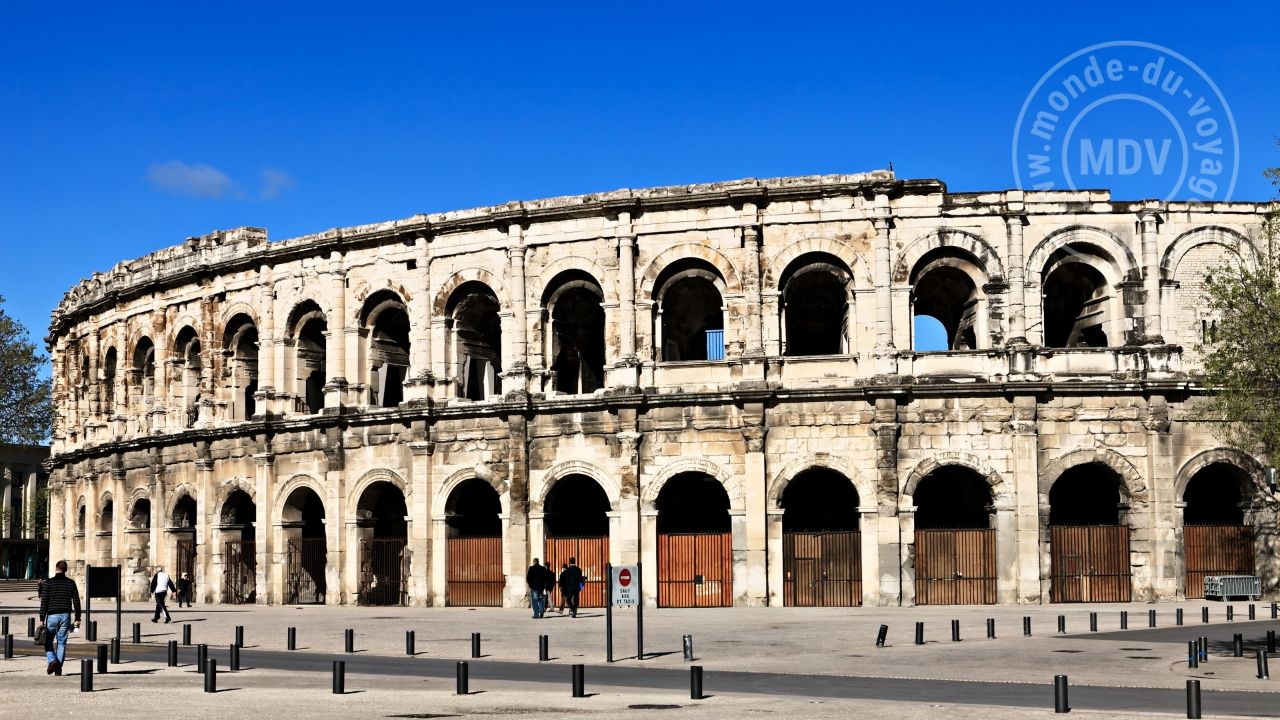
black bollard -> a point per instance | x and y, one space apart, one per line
1204 648
1271 641
211 675
1231 613
1062 624
1124 619
991 628
4 625
1193 698
339 677
1178 616
579 681
919 633
202 655
1204 614
687 643
86 675
115 651
1193 655
463 688
955 631
102 659
291 638
1275 610
1237 645
173 653
1263 674
8 646
1060 704
475 645
137 633
695 682
31 627
349 640
240 636
233 662
1093 622
1253 612
409 644
544 648
91 632
1151 618
882 635
186 634
1026 625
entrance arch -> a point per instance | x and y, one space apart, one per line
821 544
577 526
183 530
382 529
307 551
955 553
695 546
1216 540
474 574
239 548
1088 537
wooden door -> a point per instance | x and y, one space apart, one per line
695 570
592 554
822 569
1090 563
956 567
1216 550
473 576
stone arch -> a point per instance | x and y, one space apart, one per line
371 477
363 291
458 477
171 503
981 251
706 253
1133 487
815 244
102 506
286 489
300 309
231 310
731 483
818 461
1121 255
1230 456
572 262
1206 235
612 489
1001 491
227 488
465 275
141 492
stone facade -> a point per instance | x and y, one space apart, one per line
234 390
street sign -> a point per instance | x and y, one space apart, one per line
625 585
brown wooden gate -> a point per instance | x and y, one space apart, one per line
956 567
822 569
384 571
1090 563
592 554
1216 550
305 582
474 576
695 570
239 571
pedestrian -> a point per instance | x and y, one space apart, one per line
161 584
571 583
548 584
537 581
185 586
61 598
563 568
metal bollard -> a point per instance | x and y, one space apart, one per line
1093 622
1151 618
1178 616
186 634
919 633
1204 648
687 644
882 635
211 676
91 632
1271 641
695 682
991 628
1275 610
1204 614
1060 704
202 657
233 662
1237 645
137 633
463 686
8 646
475 645
102 659
31 627
291 639
115 651
173 653
1062 624
579 681
339 677
1124 619
1193 698
1026 625
1263 673
1231 613
4 624
86 675
544 648
955 631
1253 612
240 636
349 640
1193 655
409 648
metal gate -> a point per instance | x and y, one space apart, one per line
1216 550
384 571
695 570
185 557
305 583
239 571
822 569
474 576
592 553
1090 563
956 567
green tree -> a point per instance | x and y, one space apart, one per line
26 410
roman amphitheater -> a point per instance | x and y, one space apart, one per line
726 382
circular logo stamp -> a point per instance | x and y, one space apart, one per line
1130 116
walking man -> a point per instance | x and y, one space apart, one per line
161 585
537 581
571 582
61 598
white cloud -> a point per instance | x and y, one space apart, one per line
274 182
197 180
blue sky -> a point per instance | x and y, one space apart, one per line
125 128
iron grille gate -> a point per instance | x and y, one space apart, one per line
305 568
695 570
239 572
384 571
185 560
1090 563
474 576
1216 550
956 567
591 553
822 569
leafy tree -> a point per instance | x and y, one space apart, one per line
26 410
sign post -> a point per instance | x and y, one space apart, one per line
625 591
608 613
101 582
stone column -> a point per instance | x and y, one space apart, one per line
627 292
756 480
1006 526
906 554
336 341
341 568
517 362
891 537
775 571
1163 520
869 529
91 509
1016 306
886 361
517 536
626 544
57 519
1150 219
420 541
751 286
270 357
159 537
207 578
1025 476
269 579
420 379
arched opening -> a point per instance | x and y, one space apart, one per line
140 517
1078 301
476 331
188 368
1215 537
109 363
816 306
821 545
574 326
1088 544
577 526
106 527
944 289
695 545
955 543
240 344
142 373
239 548
385 321
690 306
309 331
302 522
382 528
137 536
474 575
183 531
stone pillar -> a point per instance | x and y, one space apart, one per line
269 579
420 378
91 509
518 493
886 360
420 540
626 544
756 479
158 536
270 357
1016 305
1149 217
889 530
751 286
207 578
1025 477
906 554
517 360
336 341
1163 521
341 568
775 572
57 519
627 292
869 529
1006 526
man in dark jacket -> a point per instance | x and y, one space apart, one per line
61 598
571 582
536 577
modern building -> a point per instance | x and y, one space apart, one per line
24 512
728 382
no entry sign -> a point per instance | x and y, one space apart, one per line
625 581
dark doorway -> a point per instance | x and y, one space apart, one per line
474 574
386 321
477 337
955 545
310 355
692 312
239 554
695 546
577 526
942 290
1076 298
815 302
576 326
1216 539
307 548
183 529
821 545
383 529
1089 548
